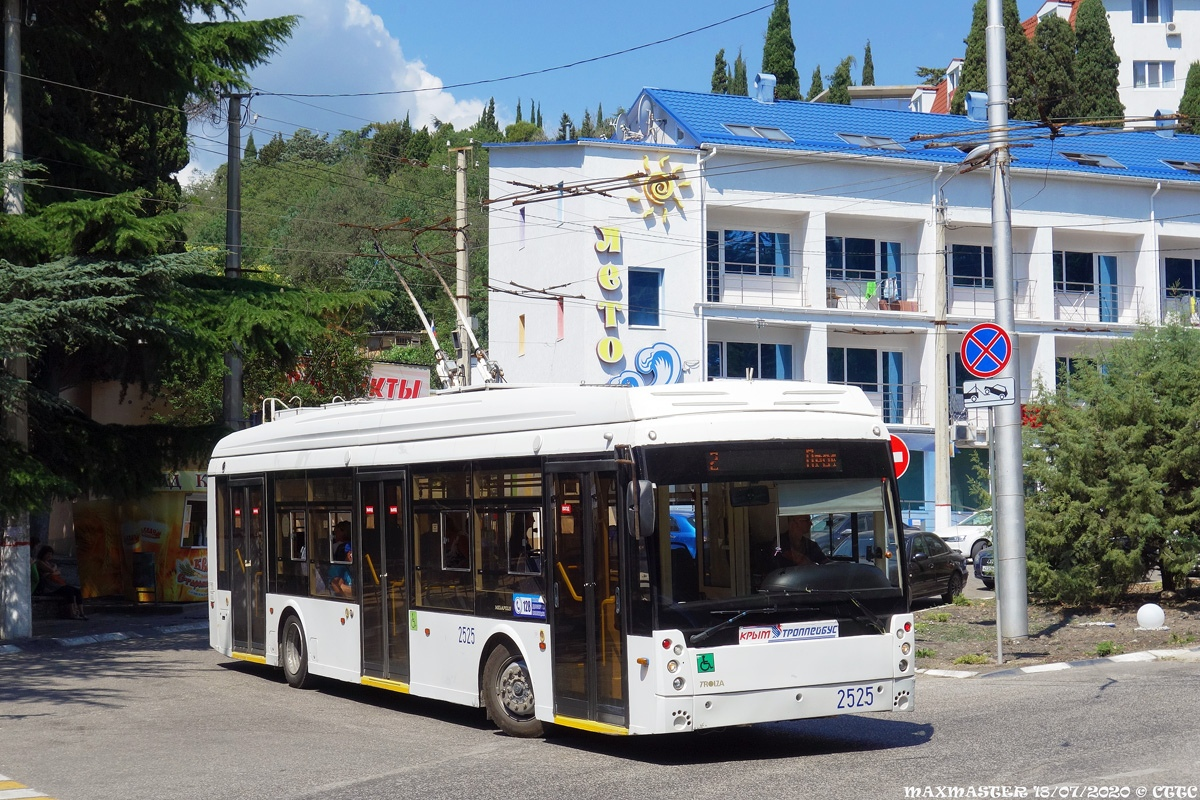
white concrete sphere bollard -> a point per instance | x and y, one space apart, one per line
1150 616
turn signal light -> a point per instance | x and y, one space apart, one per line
666 644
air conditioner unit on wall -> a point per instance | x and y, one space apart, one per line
963 432
1172 27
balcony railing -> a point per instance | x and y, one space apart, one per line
1116 303
980 301
763 290
897 403
1182 308
897 294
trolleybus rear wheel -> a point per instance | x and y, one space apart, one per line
508 693
294 653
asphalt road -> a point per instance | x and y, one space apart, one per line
169 718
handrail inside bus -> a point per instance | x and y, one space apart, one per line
371 565
570 588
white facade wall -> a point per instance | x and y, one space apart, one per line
1176 43
813 317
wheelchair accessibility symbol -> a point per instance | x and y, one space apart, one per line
706 662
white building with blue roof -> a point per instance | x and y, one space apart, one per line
719 237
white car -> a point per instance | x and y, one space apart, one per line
971 535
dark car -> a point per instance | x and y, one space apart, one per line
985 567
933 568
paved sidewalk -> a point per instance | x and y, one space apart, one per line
109 620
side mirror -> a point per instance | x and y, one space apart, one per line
640 515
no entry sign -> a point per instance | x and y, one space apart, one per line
986 350
899 455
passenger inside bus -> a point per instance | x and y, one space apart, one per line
457 548
801 549
341 580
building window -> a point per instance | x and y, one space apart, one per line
712 278
971 265
645 297
738 359
1093 160
855 366
1074 272
758 253
1151 11
871 142
1183 166
1182 277
757 132
1154 74
850 259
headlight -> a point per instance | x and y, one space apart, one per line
953 538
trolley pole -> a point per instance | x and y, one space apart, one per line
1008 502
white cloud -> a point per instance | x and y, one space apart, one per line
340 48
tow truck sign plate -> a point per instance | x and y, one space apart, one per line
989 392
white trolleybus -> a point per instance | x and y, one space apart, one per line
610 558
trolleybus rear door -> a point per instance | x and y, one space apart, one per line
246 578
587 642
383 578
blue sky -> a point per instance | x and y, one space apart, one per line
365 46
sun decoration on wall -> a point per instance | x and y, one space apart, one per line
659 187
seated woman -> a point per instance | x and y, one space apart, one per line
51 582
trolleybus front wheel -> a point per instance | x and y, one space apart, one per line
508 693
295 653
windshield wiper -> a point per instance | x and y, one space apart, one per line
702 635
876 621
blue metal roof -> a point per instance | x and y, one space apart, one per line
814 127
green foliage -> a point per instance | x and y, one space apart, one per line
250 152
779 53
868 68
1106 649
1189 104
524 132
942 616
840 82
972 658
518 111
930 76
720 76
1097 66
961 600
817 85
738 83
1116 463
925 652
566 128
587 128
1054 89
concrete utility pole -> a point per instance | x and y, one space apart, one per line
941 374
461 287
1008 501
233 396
16 613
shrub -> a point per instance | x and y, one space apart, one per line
972 658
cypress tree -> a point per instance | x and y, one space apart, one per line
1097 66
1018 55
868 72
1189 104
738 84
251 152
720 76
779 53
840 82
540 124
1054 89
817 86
519 111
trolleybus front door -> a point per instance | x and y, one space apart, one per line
589 679
246 578
384 603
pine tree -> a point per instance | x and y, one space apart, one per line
586 129
1054 89
1189 104
1097 66
840 82
779 53
930 76
739 84
868 70
519 111
566 127
720 76
817 85
251 151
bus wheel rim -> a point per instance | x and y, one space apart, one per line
515 691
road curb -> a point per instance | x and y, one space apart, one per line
33 645
1189 654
